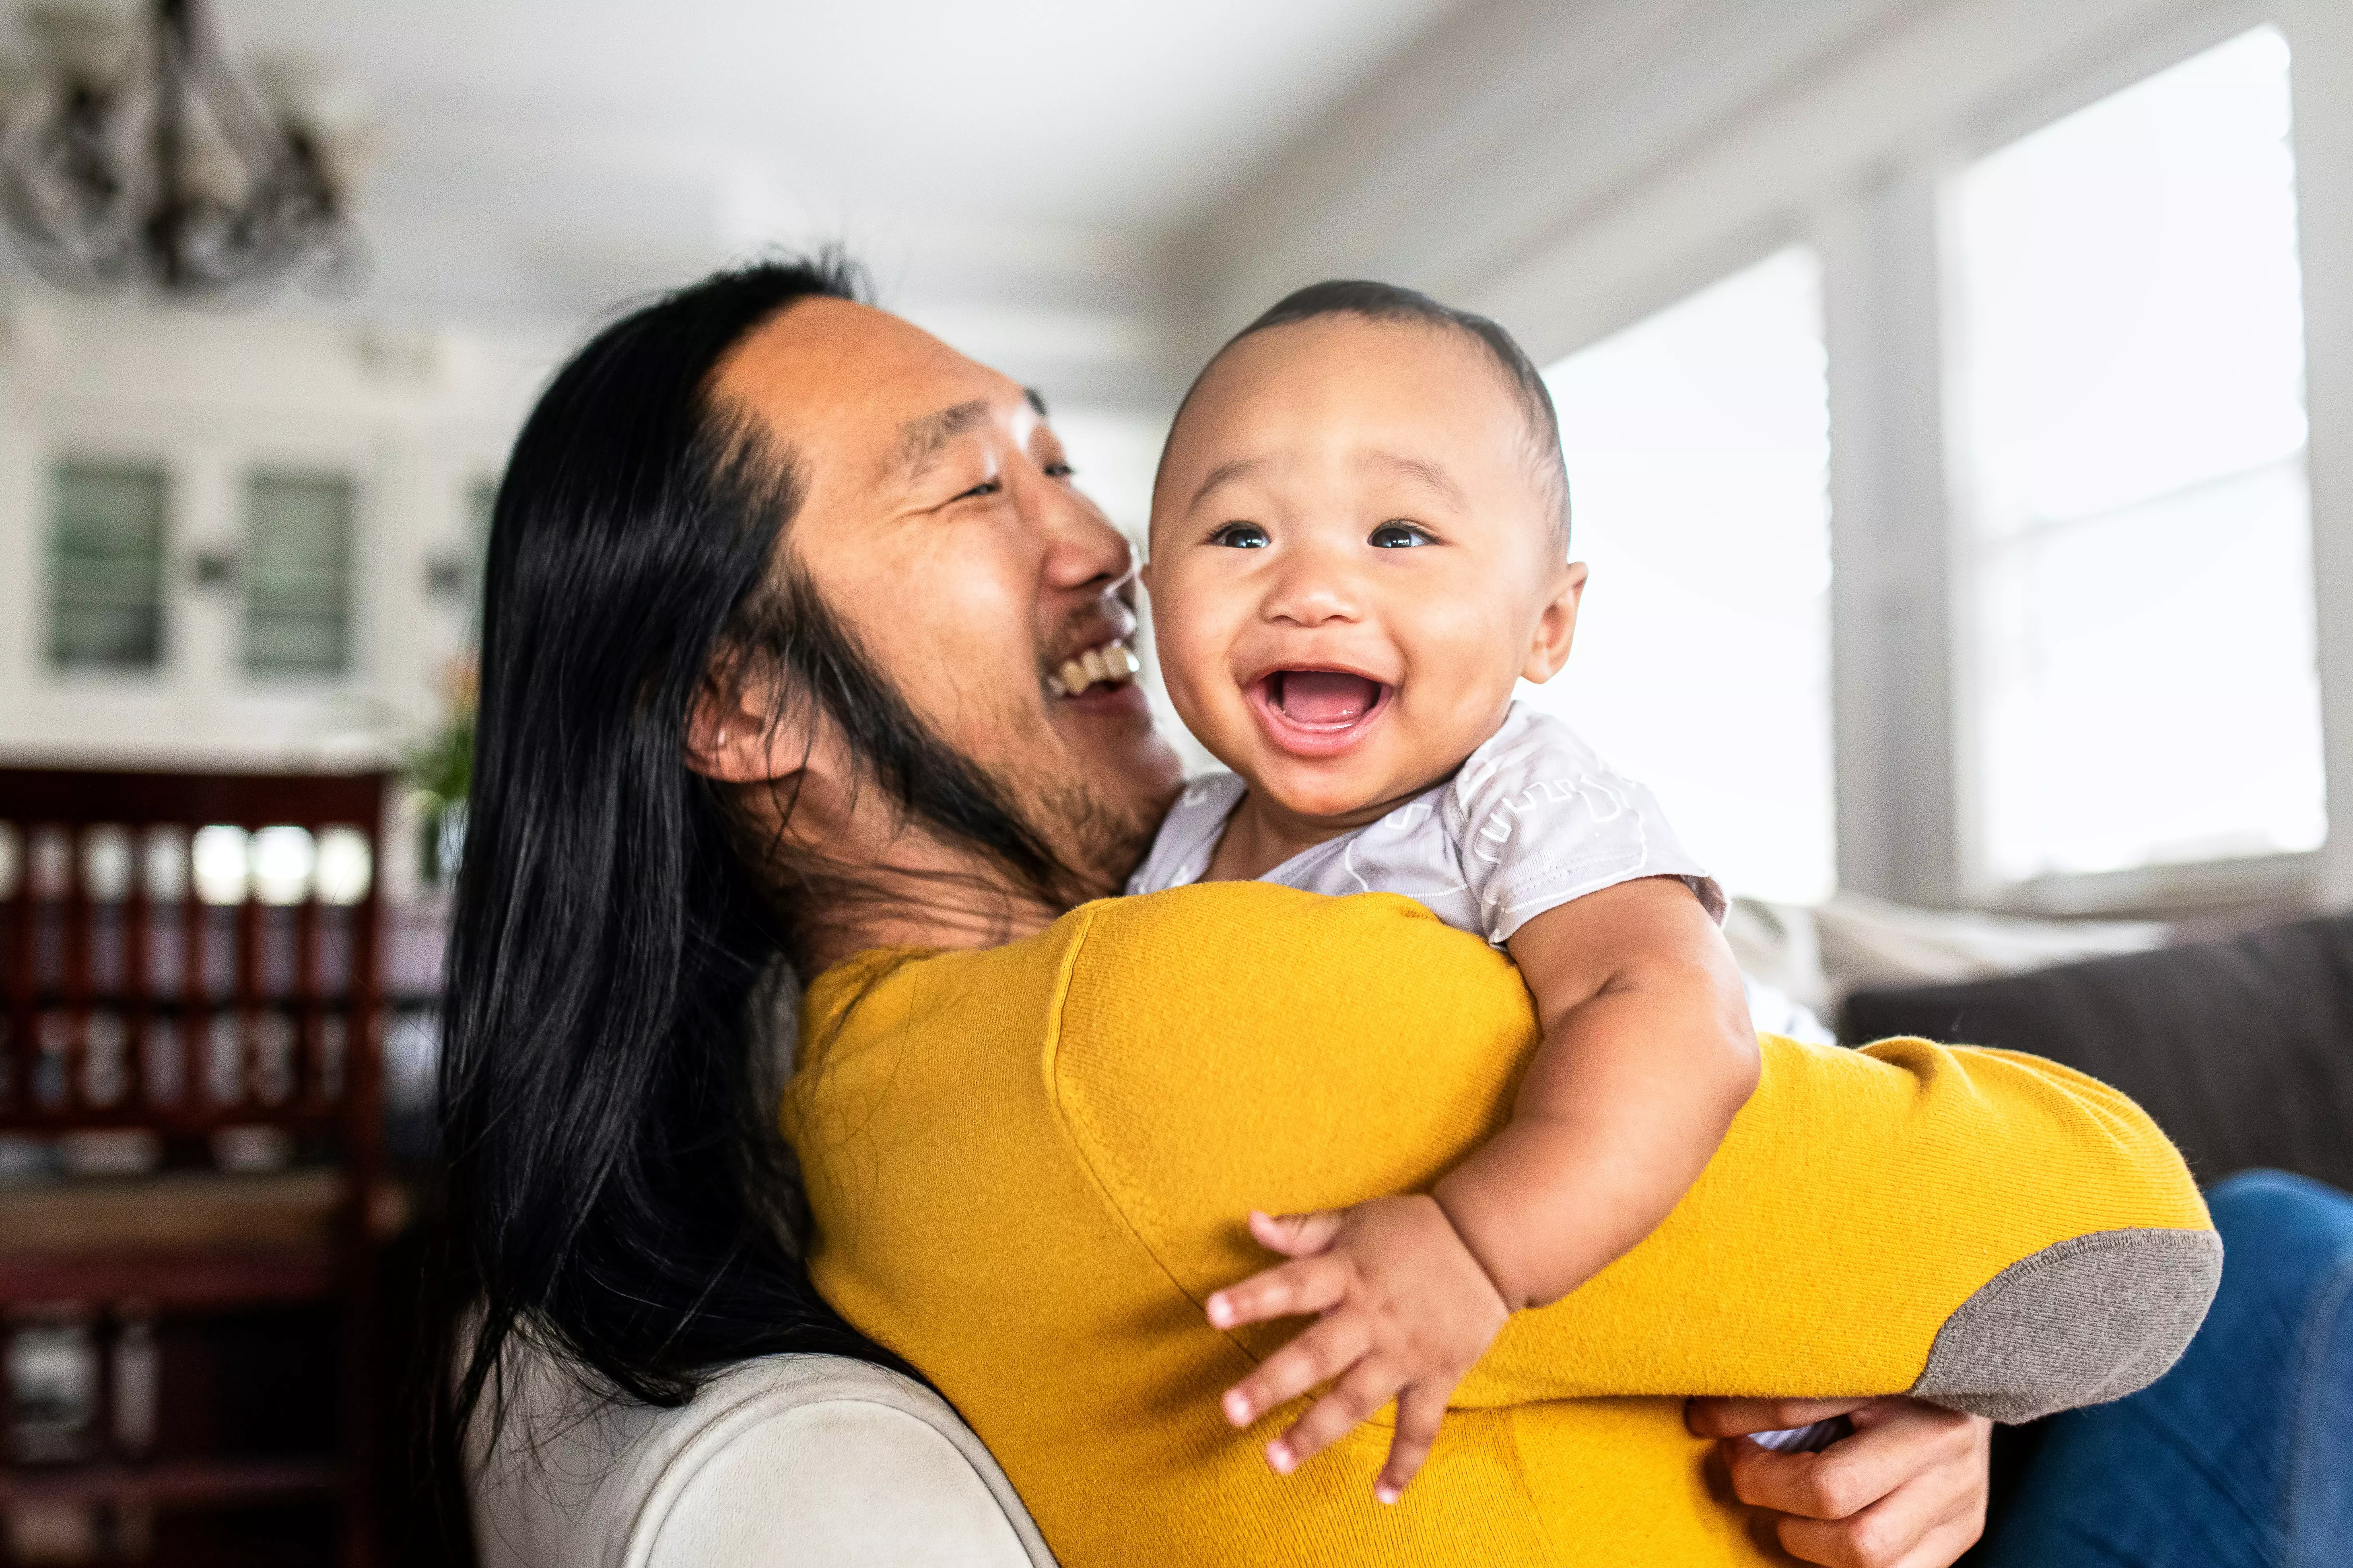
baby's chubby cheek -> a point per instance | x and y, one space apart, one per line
1193 637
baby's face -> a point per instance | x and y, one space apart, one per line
1353 560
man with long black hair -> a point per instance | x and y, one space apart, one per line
860 658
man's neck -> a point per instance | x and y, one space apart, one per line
964 908
857 876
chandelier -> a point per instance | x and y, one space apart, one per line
142 160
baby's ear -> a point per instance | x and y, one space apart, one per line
1557 627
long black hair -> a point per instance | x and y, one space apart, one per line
617 1197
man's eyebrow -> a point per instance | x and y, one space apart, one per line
923 440
1424 473
1037 401
1225 474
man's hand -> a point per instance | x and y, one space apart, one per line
1907 1490
1405 1312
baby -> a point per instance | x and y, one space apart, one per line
1359 544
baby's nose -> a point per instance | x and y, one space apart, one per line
1310 600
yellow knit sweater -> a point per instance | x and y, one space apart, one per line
1029 1166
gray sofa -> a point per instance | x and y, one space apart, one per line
2241 1049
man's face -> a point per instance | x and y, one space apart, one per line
942 525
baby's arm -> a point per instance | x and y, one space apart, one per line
1648 1053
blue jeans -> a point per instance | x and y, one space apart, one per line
2241 1455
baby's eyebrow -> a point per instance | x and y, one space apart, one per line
1424 473
1225 474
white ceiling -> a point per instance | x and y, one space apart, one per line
1079 111
544 156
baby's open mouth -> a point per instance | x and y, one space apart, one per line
1317 712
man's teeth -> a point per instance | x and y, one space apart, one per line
1108 665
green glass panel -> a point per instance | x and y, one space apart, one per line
298 575
106 566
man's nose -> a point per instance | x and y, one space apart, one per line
1083 551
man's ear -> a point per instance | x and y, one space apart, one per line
1556 627
734 734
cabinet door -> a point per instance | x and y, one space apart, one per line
105 551
296 621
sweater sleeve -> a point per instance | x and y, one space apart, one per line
1986 1230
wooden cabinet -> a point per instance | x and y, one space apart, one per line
190 1029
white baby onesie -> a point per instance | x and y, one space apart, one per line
1532 819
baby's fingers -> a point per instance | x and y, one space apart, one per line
1319 1356
1369 1387
1295 1235
1294 1289
1419 1413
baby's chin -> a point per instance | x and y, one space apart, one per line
1348 791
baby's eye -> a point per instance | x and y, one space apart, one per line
1241 536
1398 536
1059 471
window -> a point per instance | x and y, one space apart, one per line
298 575
2138 529
106 567
1698 447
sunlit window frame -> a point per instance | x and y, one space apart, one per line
1721 269
1902 720
2244 880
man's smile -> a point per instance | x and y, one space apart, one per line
1109 663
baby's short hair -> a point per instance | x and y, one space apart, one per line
1388 302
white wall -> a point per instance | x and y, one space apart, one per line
416 416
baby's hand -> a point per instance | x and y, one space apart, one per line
1405 1312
